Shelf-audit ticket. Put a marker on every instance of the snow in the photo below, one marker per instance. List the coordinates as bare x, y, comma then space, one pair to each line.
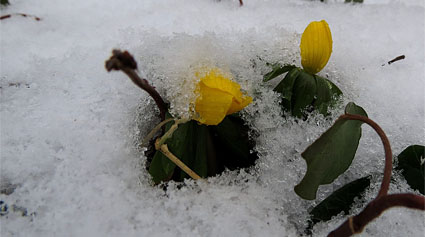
70, 130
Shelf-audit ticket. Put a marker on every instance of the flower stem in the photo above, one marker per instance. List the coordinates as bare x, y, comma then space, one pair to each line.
125, 62
375, 208
387, 148
383, 201
164, 149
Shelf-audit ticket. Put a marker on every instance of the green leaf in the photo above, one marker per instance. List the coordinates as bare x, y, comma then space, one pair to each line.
4, 2
161, 168
194, 152
340, 200
410, 161
189, 144
286, 86
232, 143
331, 154
326, 94
158, 171
304, 92
301, 92
204, 149
230, 133
277, 70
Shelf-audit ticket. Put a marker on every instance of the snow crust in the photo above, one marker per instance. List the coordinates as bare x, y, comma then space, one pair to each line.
70, 130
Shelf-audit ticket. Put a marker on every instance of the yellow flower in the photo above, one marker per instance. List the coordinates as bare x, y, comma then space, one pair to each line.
218, 96
316, 46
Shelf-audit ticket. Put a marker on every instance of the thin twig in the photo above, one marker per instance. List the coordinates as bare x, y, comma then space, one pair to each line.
387, 148
376, 208
401, 57
164, 149
125, 62
19, 14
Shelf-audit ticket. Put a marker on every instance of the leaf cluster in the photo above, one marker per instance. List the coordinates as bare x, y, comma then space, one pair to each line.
302, 92
207, 150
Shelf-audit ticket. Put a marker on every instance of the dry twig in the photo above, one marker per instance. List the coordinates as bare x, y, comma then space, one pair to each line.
19, 14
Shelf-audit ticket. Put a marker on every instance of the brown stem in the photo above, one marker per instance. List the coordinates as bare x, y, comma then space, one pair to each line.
125, 62
401, 57
375, 208
240, 3
387, 148
383, 201
19, 14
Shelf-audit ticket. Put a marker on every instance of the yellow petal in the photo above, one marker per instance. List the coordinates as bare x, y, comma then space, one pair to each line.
237, 106
212, 105
218, 97
316, 46
215, 79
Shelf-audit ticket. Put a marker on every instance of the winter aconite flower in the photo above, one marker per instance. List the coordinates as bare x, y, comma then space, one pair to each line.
316, 46
218, 96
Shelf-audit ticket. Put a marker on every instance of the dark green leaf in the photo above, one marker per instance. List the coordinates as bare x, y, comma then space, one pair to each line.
189, 144
232, 143
161, 168
200, 154
277, 70
340, 200
194, 154
4, 2
207, 150
410, 161
158, 171
192, 148
286, 86
326, 94
304, 92
331, 154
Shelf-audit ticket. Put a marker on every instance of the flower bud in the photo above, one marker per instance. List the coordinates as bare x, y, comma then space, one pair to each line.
316, 46
218, 96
